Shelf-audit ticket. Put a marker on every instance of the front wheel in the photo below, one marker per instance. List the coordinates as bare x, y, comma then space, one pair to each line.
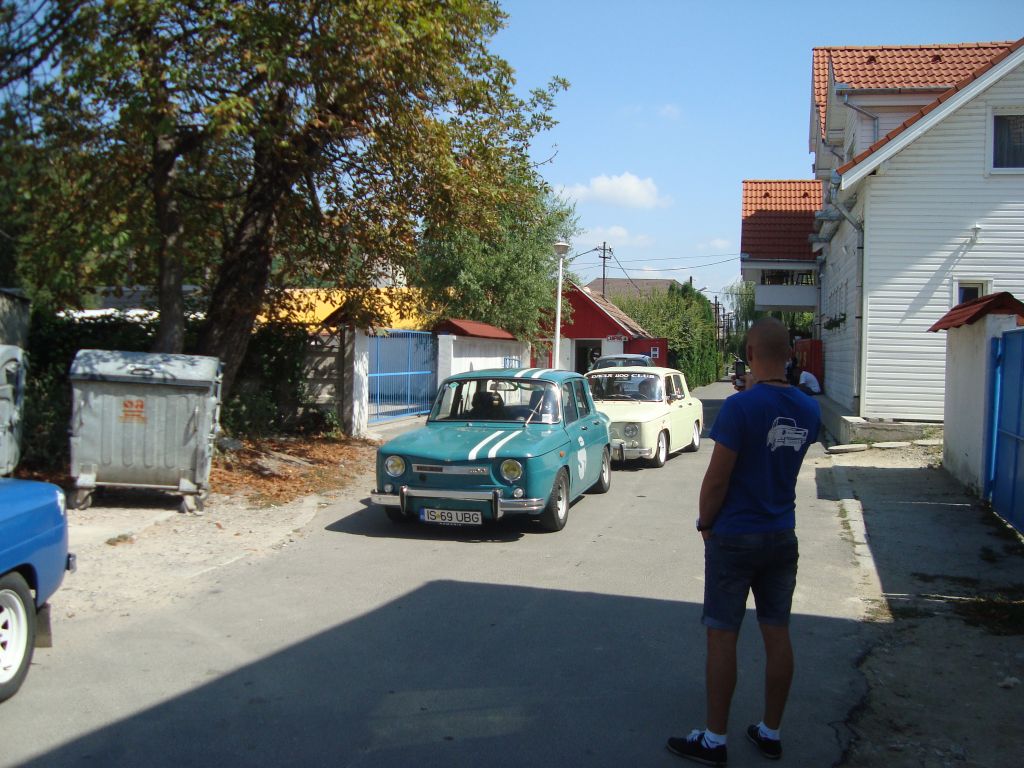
17, 633
556, 512
661, 452
695, 440
604, 480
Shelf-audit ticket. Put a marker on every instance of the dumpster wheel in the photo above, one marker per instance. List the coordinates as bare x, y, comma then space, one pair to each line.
82, 499
191, 504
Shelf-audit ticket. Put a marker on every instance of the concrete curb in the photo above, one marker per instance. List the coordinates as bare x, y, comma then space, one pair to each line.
852, 513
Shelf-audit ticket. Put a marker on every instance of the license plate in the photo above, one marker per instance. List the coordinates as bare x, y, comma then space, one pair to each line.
451, 516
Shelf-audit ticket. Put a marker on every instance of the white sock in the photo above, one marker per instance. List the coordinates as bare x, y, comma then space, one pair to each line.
712, 739
767, 733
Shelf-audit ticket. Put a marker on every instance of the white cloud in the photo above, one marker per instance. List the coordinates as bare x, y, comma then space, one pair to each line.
616, 236
670, 112
626, 190
714, 245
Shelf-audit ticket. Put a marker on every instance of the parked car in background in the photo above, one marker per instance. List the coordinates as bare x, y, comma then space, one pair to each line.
651, 410
33, 559
498, 443
617, 361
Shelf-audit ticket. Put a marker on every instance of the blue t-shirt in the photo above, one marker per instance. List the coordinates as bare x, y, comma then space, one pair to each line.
770, 429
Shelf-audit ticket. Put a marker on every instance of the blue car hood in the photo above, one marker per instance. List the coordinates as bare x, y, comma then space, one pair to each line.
471, 441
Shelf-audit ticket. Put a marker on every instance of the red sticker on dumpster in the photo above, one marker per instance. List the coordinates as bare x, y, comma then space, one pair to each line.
133, 411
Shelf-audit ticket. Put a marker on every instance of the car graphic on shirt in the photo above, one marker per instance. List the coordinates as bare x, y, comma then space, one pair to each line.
785, 433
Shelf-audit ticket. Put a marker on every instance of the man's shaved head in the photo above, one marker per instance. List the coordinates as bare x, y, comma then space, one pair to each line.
768, 340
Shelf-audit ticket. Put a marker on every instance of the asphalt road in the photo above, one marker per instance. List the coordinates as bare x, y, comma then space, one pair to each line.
367, 644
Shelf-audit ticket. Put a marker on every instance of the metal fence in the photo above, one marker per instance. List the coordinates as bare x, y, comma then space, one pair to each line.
1006, 465
403, 374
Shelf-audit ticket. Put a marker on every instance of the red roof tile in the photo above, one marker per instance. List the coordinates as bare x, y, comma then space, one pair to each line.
904, 67
959, 86
1003, 303
472, 328
777, 218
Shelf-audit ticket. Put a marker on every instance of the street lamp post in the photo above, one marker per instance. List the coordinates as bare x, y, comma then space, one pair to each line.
561, 248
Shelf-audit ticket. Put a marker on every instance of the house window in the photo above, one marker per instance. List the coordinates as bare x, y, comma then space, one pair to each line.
1008, 141
969, 291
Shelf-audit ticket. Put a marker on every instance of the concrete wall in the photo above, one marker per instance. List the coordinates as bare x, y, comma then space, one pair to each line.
459, 354
967, 403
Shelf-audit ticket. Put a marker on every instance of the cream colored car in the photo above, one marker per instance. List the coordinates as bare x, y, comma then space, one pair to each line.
652, 412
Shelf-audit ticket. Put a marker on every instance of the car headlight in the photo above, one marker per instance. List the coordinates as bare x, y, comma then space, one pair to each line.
511, 470
631, 430
394, 466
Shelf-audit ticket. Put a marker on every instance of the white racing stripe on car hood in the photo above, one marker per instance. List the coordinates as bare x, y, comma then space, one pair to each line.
494, 448
541, 372
482, 443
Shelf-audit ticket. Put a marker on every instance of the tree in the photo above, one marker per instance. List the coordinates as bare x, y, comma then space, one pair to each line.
245, 146
505, 276
685, 317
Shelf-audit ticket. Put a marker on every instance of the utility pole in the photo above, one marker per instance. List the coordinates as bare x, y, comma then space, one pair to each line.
606, 253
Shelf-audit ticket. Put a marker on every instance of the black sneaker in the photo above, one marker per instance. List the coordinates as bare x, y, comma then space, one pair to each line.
770, 748
694, 748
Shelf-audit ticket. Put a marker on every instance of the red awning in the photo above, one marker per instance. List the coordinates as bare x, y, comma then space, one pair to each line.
472, 328
969, 312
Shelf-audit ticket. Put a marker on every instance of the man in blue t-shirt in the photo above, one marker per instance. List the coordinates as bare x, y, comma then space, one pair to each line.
747, 518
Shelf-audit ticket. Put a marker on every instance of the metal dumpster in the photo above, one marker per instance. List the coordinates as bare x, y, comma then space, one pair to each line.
143, 420
12, 393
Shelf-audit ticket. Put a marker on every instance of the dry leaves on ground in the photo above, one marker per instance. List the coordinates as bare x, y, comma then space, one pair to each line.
279, 470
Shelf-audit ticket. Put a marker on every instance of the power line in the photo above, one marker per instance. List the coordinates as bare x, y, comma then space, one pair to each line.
669, 269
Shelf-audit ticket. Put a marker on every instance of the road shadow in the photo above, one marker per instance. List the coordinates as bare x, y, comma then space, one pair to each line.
470, 674
370, 520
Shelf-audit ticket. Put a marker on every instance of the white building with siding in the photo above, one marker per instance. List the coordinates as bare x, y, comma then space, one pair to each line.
924, 208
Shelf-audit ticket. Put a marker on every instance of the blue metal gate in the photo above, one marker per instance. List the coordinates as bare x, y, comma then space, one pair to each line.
403, 374
1005, 484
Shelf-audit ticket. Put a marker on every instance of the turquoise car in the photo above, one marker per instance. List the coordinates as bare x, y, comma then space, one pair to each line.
498, 443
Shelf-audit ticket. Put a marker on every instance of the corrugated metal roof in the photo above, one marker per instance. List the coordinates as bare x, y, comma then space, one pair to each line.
778, 215
472, 328
621, 318
1003, 303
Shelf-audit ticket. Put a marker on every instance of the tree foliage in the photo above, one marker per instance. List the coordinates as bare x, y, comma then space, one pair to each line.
685, 317
506, 276
245, 146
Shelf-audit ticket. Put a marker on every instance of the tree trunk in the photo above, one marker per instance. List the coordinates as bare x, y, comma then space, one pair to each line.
237, 296
170, 331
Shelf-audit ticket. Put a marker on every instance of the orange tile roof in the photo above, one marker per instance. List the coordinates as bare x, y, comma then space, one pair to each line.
904, 67
956, 88
777, 218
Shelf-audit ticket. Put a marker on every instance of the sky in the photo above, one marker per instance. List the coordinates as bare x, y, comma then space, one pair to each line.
673, 103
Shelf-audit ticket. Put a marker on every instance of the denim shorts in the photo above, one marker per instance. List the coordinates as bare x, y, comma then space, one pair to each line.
737, 564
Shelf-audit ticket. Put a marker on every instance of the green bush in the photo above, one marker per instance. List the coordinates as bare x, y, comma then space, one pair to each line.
269, 396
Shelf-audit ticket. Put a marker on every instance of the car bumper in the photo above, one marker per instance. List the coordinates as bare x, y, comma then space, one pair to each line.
499, 507
620, 452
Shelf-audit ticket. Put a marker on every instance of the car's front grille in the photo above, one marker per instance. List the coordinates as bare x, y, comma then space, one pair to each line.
440, 469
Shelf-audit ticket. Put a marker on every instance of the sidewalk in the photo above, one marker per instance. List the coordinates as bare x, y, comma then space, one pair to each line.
945, 666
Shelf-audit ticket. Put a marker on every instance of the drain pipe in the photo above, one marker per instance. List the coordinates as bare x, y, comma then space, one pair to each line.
861, 110
833, 198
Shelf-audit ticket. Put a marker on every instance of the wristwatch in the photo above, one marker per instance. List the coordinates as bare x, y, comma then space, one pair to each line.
703, 527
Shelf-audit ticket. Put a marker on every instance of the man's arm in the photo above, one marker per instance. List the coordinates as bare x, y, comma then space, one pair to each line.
715, 485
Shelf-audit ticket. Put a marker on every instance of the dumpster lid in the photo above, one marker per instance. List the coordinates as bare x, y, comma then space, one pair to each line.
145, 368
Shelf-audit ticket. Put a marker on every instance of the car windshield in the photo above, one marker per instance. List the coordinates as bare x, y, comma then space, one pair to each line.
619, 362
491, 399
626, 386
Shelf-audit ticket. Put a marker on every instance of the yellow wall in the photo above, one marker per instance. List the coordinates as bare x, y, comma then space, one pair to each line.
311, 306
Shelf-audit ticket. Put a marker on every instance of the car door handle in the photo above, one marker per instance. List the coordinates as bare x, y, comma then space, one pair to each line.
584, 427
